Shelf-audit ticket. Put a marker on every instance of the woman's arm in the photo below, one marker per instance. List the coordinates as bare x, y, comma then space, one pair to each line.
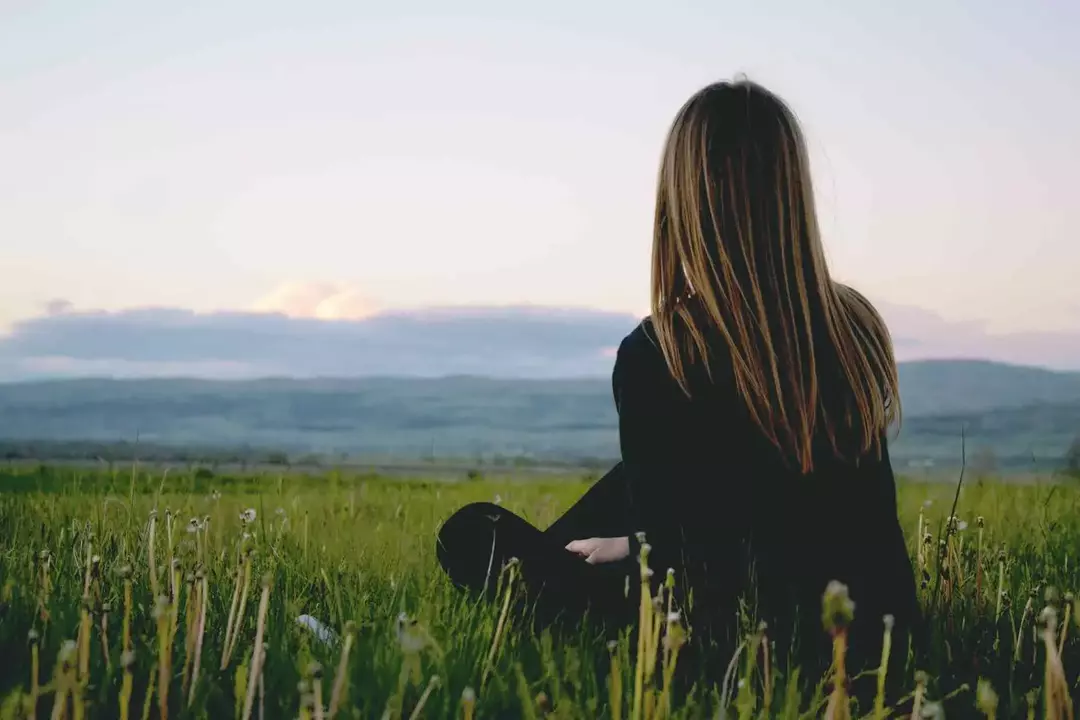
652, 418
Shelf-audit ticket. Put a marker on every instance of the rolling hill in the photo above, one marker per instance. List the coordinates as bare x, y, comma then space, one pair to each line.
1018, 413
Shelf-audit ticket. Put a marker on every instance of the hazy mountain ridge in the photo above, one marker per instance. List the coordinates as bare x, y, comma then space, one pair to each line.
1019, 412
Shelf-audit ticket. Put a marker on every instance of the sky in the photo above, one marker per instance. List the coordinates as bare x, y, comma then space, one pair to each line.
337, 159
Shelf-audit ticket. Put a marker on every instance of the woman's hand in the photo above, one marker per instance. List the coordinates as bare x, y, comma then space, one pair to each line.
601, 550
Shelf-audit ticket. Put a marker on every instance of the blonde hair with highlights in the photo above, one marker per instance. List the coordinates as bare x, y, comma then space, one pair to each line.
737, 251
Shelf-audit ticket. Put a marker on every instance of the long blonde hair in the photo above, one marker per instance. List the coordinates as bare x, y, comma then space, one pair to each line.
737, 250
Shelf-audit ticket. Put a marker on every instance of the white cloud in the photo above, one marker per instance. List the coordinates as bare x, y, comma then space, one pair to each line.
318, 300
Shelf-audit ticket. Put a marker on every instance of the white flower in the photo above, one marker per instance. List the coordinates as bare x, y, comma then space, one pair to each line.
248, 516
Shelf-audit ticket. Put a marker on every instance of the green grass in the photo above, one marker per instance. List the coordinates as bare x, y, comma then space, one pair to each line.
357, 552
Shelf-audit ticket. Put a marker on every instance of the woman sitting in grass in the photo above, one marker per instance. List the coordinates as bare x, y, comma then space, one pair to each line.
753, 407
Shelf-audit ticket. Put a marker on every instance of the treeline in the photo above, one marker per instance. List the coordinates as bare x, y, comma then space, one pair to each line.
123, 452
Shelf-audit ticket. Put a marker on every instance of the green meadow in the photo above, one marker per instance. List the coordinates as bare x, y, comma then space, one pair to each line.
147, 594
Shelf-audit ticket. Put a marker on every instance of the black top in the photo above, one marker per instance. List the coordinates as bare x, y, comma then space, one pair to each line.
717, 503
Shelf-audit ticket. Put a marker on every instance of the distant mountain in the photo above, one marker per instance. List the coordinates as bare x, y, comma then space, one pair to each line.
931, 387
1018, 412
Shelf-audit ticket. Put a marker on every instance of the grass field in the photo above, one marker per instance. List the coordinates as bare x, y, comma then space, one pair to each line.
152, 595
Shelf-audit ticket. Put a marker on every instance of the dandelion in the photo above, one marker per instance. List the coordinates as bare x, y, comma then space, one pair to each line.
248, 516
886, 648
986, 700
838, 610
468, 703
921, 681
127, 662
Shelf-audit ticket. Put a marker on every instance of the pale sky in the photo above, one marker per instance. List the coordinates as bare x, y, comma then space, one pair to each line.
331, 158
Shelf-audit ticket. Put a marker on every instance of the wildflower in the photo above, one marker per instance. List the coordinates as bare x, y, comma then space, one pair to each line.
193, 525
409, 634
933, 711
838, 610
980, 522
985, 698
248, 516
1048, 617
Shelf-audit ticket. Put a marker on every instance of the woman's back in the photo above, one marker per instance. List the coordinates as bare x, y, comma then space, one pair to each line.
752, 529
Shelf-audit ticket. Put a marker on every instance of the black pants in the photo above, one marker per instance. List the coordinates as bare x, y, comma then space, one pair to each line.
479, 539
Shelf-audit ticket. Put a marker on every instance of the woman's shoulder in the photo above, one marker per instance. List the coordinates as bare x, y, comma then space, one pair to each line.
641, 344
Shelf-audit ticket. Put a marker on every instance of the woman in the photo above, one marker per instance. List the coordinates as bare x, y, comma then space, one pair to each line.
753, 407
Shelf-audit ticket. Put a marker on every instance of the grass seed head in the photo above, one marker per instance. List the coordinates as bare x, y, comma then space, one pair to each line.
67, 654
1049, 617
986, 700
838, 609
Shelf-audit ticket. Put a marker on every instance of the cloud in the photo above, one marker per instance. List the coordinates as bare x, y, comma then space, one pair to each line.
326, 301
309, 331
921, 334
501, 342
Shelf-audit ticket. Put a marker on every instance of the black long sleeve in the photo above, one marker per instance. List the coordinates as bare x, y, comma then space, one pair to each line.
655, 455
